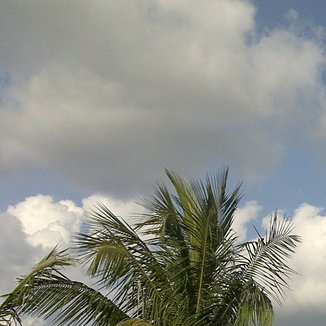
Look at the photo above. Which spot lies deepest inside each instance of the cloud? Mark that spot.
(30, 229)
(249, 212)
(16, 254)
(309, 260)
(46, 222)
(305, 302)
(126, 209)
(36, 225)
(107, 94)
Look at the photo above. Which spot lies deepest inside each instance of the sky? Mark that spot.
(98, 97)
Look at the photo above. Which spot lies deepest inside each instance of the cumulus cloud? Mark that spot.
(109, 93)
(306, 300)
(46, 222)
(39, 223)
(30, 229)
(309, 261)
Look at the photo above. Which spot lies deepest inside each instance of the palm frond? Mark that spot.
(122, 261)
(46, 293)
(255, 308)
(266, 258)
(192, 224)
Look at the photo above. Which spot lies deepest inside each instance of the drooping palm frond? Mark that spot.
(9, 308)
(47, 292)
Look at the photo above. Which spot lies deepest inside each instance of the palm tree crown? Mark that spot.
(181, 264)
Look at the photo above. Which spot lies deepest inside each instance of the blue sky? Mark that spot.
(98, 97)
(272, 13)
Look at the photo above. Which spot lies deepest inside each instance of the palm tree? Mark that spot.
(181, 264)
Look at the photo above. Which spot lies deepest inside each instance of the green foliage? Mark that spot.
(133, 322)
(181, 264)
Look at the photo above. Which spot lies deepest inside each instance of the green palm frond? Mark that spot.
(266, 258)
(121, 260)
(9, 316)
(193, 224)
(255, 308)
(164, 225)
(46, 292)
(14, 301)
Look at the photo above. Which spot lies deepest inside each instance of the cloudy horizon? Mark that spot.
(97, 98)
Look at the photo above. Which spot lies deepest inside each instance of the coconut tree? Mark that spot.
(180, 264)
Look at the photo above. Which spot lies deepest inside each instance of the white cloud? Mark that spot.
(305, 303)
(288, 70)
(309, 261)
(46, 222)
(249, 212)
(127, 209)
